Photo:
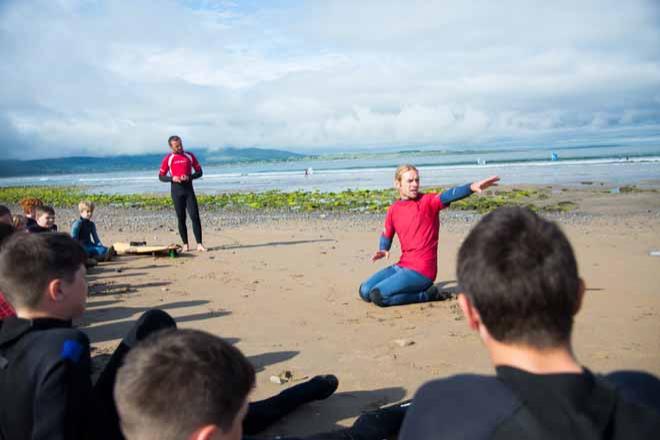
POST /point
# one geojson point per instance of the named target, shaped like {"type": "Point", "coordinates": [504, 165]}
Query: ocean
{"type": "Point", "coordinates": [573, 165]}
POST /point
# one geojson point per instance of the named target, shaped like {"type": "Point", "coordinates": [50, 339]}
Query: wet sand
{"type": "Point", "coordinates": [283, 288]}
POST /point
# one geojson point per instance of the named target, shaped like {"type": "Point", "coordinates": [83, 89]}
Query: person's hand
{"type": "Point", "coordinates": [184, 178]}
{"type": "Point", "coordinates": [176, 179]}
{"type": "Point", "coordinates": [483, 184]}
{"type": "Point", "coordinates": [380, 254]}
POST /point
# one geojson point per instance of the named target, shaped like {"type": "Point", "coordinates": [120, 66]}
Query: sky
{"type": "Point", "coordinates": [104, 77]}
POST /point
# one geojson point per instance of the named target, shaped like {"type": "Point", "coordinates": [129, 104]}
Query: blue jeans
{"type": "Point", "coordinates": [397, 286]}
{"type": "Point", "coordinates": [95, 250]}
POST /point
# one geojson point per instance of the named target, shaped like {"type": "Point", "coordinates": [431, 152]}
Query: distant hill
{"type": "Point", "coordinates": [85, 164]}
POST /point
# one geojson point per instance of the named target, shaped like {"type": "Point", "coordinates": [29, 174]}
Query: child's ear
{"type": "Point", "coordinates": [54, 290]}
{"type": "Point", "coordinates": [470, 313]}
{"type": "Point", "coordinates": [204, 433]}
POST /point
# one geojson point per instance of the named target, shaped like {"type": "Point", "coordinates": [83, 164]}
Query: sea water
{"type": "Point", "coordinates": [612, 165]}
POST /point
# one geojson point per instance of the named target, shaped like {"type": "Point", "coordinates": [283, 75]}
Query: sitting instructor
{"type": "Point", "coordinates": [180, 165]}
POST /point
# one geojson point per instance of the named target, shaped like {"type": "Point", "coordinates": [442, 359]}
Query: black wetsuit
{"type": "Point", "coordinates": [35, 228]}
{"type": "Point", "coordinates": [521, 405]}
{"type": "Point", "coordinates": [183, 194]}
{"type": "Point", "coordinates": [45, 385]}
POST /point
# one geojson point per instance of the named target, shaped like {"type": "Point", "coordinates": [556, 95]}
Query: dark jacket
{"type": "Point", "coordinates": [520, 405]}
{"type": "Point", "coordinates": [45, 384]}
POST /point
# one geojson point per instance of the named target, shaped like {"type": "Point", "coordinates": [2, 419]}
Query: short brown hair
{"type": "Point", "coordinates": [29, 204]}
{"type": "Point", "coordinates": [28, 262]}
{"type": "Point", "coordinates": [44, 209]}
{"type": "Point", "coordinates": [401, 169]}
{"type": "Point", "coordinates": [207, 380]}
{"type": "Point", "coordinates": [173, 138]}
{"type": "Point", "coordinates": [520, 273]}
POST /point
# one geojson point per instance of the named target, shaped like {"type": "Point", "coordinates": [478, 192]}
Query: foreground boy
{"type": "Point", "coordinates": [206, 397]}
{"type": "Point", "coordinates": [521, 291]}
{"type": "Point", "coordinates": [84, 230]}
{"type": "Point", "coordinates": [45, 385]}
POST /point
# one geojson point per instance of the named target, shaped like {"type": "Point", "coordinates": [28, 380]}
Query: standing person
{"type": "Point", "coordinates": [414, 218]}
{"type": "Point", "coordinates": [180, 165]}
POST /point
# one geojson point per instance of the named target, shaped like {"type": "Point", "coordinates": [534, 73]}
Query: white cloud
{"type": "Point", "coordinates": [106, 77]}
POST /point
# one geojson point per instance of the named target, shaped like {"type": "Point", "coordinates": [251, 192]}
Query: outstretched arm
{"type": "Point", "coordinates": [483, 184]}
{"type": "Point", "coordinates": [460, 192]}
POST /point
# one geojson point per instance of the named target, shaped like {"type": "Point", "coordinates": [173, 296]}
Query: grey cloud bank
{"type": "Point", "coordinates": [111, 77]}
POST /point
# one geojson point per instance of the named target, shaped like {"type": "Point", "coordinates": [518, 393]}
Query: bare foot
{"type": "Point", "coordinates": [200, 247]}
{"type": "Point", "coordinates": [186, 247]}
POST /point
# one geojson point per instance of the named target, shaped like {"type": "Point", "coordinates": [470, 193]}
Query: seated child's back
{"type": "Point", "coordinates": [44, 362]}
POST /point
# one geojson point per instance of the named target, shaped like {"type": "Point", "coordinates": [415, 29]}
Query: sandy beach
{"type": "Point", "coordinates": [283, 288]}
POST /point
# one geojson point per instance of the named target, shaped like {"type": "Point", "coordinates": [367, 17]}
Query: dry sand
{"type": "Point", "coordinates": [284, 290]}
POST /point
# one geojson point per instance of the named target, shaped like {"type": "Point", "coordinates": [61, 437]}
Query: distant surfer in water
{"type": "Point", "coordinates": [180, 165]}
{"type": "Point", "coordinates": [414, 219]}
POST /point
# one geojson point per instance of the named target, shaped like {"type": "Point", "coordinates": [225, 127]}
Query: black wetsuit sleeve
{"type": "Point", "coordinates": [164, 178]}
{"type": "Point", "coordinates": [196, 175]}
{"type": "Point", "coordinates": [64, 398]}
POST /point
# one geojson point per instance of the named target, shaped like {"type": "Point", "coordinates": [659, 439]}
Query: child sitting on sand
{"type": "Point", "coordinates": [29, 206]}
{"type": "Point", "coordinates": [45, 362]}
{"type": "Point", "coordinates": [45, 220]}
{"type": "Point", "coordinates": [84, 230]}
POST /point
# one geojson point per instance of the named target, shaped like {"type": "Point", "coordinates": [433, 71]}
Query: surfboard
{"type": "Point", "coordinates": [156, 250]}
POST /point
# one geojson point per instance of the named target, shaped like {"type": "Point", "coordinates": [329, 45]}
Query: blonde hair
{"type": "Point", "coordinates": [86, 205]}
{"type": "Point", "coordinates": [401, 169]}
{"type": "Point", "coordinates": [19, 221]}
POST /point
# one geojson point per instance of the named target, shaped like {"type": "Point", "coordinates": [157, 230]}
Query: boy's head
{"type": "Point", "coordinates": [520, 274]}
{"type": "Point", "coordinates": [208, 382]}
{"type": "Point", "coordinates": [45, 216]}
{"type": "Point", "coordinates": [44, 273]}
{"type": "Point", "coordinates": [29, 205]}
{"type": "Point", "coordinates": [86, 209]}
{"type": "Point", "coordinates": [5, 215]}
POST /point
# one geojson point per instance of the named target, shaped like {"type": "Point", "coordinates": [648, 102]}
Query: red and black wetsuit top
{"type": "Point", "coordinates": [180, 164]}
{"type": "Point", "coordinates": [417, 224]}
